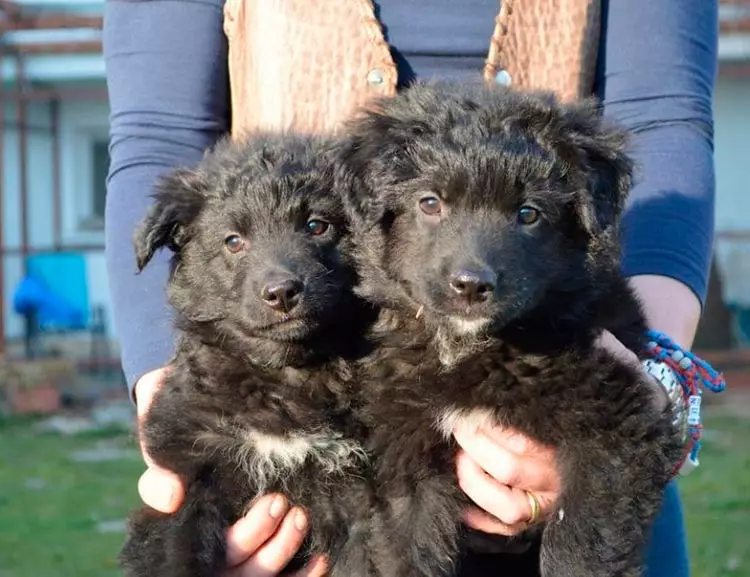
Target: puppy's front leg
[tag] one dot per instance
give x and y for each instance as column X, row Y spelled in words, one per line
column 188, row 543
column 419, row 533
column 608, row 503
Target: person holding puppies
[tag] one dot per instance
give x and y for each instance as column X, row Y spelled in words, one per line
column 181, row 75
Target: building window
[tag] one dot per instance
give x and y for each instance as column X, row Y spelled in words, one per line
column 99, row 166
column 84, row 140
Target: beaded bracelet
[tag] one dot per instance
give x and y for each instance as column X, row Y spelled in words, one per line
column 691, row 372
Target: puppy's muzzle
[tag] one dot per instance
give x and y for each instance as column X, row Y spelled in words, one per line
column 473, row 286
column 282, row 294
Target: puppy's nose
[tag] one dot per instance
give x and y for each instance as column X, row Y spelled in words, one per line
column 474, row 286
column 282, row 295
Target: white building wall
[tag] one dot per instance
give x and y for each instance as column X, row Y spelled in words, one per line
column 732, row 142
column 732, row 146
column 78, row 122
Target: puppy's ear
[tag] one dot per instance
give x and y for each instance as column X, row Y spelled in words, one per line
column 178, row 200
column 354, row 163
column 599, row 151
column 371, row 156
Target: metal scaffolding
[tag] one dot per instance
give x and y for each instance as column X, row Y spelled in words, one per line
column 20, row 92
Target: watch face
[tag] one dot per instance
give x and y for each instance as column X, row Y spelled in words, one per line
column 667, row 378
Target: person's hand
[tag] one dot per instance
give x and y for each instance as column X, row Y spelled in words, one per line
column 503, row 472
column 258, row 545
column 625, row 355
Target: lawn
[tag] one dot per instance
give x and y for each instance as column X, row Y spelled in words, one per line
column 61, row 518
column 716, row 496
column 57, row 515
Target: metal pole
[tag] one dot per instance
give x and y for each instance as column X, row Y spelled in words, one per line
column 2, row 207
column 56, row 174
column 23, row 175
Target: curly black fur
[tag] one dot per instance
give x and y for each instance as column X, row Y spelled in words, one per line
column 486, row 224
column 259, row 395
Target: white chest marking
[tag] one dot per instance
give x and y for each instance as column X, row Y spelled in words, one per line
column 268, row 459
column 469, row 420
column 469, row 326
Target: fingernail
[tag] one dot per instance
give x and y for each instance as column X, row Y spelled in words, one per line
column 300, row 521
column 278, row 506
column 157, row 491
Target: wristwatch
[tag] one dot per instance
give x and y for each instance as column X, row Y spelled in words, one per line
column 666, row 377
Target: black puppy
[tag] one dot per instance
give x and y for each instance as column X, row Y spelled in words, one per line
column 258, row 398
column 487, row 227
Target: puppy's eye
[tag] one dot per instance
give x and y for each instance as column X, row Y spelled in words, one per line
column 234, row 243
column 431, row 205
column 316, row 227
column 528, row 215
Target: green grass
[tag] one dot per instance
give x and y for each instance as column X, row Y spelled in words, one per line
column 50, row 506
column 716, row 496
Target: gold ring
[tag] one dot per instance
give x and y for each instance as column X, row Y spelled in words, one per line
column 536, row 508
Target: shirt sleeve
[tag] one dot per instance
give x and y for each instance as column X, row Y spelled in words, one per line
column 166, row 63
column 657, row 70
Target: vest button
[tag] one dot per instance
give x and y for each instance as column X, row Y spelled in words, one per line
column 375, row 76
column 503, row 78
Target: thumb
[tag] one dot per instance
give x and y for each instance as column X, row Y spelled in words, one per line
column 161, row 489
column 158, row 488
column 144, row 390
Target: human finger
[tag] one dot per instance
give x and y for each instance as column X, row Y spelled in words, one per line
column 510, row 506
column 271, row 557
column 317, row 567
column 161, row 489
column 532, row 468
column 258, row 525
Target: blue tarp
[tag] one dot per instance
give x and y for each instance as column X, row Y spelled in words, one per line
column 55, row 289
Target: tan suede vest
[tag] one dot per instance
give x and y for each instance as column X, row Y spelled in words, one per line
column 308, row 65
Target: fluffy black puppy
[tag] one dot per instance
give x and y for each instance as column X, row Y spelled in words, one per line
column 258, row 398
column 487, row 227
